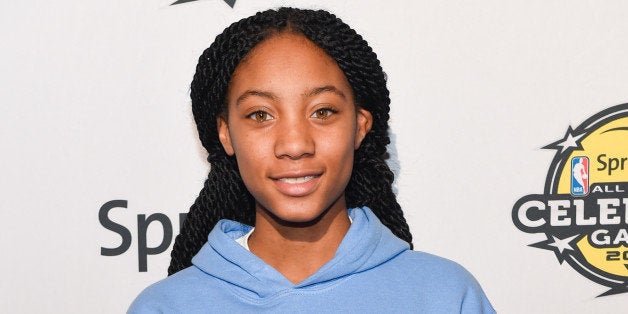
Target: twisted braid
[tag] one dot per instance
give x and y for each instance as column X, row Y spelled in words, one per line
column 224, row 195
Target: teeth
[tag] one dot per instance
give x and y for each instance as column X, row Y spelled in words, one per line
column 296, row 180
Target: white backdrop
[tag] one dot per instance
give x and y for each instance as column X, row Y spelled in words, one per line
column 95, row 107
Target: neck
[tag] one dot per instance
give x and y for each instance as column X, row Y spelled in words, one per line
column 298, row 250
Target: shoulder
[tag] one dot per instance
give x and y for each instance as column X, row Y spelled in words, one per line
column 173, row 294
column 440, row 279
column 429, row 265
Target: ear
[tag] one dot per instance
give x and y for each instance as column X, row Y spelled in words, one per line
column 224, row 136
column 363, row 126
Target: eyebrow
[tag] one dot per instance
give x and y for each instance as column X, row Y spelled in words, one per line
column 258, row 93
column 327, row 88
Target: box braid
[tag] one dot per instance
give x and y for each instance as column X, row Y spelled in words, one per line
column 224, row 195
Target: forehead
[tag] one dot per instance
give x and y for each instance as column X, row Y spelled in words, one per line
column 286, row 45
column 287, row 59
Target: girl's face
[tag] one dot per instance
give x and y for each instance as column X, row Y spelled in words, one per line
column 293, row 128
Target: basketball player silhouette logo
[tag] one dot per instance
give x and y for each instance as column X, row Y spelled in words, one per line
column 579, row 176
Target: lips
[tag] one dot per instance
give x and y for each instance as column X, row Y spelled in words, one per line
column 296, row 185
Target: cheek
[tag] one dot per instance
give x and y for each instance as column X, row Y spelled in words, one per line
column 247, row 140
column 252, row 163
column 251, row 152
column 338, row 148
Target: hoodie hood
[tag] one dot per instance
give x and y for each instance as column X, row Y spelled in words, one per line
column 367, row 244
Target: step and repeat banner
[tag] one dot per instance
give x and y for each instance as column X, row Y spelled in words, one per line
column 509, row 129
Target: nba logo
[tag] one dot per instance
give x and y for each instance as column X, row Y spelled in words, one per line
column 579, row 176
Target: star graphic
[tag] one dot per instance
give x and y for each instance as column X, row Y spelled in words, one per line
column 622, row 288
column 231, row 3
column 560, row 247
column 563, row 244
column 570, row 141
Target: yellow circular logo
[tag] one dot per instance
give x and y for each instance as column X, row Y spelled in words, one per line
column 584, row 209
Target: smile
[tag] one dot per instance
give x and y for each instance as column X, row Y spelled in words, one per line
column 297, row 180
column 297, row 186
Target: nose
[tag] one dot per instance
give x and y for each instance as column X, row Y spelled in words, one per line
column 294, row 139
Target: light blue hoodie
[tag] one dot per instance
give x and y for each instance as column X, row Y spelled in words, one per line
column 372, row 271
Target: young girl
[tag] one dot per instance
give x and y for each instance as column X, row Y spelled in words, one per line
column 292, row 107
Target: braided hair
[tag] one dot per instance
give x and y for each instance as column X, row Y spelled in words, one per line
column 224, row 195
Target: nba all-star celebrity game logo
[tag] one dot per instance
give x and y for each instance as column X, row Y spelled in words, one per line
column 583, row 211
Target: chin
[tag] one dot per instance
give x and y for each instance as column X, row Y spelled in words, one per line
column 296, row 215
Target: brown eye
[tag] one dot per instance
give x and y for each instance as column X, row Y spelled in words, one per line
column 260, row 116
column 323, row 113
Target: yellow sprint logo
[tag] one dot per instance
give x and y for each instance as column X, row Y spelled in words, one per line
column 584, row 209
